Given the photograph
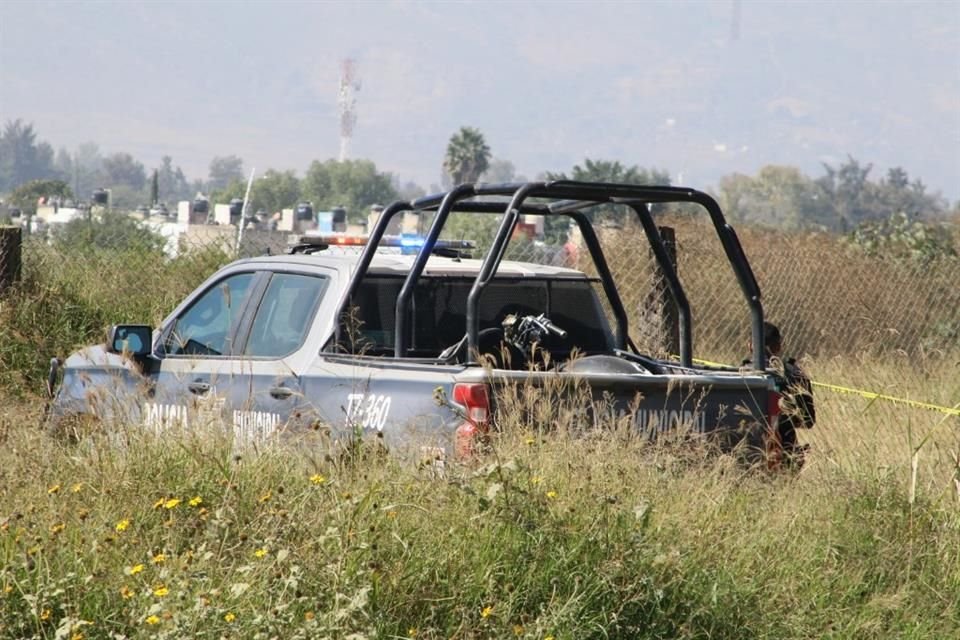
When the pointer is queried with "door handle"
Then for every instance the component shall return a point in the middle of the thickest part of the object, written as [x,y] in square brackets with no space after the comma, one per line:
[199,387]
[281,393]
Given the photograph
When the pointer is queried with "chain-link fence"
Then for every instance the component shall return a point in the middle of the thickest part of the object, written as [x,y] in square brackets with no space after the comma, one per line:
[827,296]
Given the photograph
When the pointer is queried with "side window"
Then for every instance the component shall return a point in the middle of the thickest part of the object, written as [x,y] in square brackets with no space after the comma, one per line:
[207,325]
[285,315]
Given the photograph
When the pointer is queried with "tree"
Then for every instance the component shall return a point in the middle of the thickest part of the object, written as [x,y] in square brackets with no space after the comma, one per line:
[122,170]
[22,158]
[223,171]
[352,184]
[235,189]
[555,227]
[844,198]
[27,195]
[63,165]
[172,183]
[126,197]
[275,190]
[849,193]
[87,170]
[110,230]
[467,157]
[777,196]
[613,171]
[900,237]
[154,188]
[897,194]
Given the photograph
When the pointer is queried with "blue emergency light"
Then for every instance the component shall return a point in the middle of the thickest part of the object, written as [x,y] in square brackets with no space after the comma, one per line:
[407,243]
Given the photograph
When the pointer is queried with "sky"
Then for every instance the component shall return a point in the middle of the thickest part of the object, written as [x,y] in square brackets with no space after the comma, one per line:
[699,89]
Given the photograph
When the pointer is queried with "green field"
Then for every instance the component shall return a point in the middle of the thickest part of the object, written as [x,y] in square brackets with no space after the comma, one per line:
[123,535]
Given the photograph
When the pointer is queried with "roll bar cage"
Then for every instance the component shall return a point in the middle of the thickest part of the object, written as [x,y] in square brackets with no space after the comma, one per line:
[563,198]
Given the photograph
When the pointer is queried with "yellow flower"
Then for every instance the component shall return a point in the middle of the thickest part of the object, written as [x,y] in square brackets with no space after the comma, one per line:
[195,501]
[487,612]
[229,617]
[159,558]
[548,638]
[530,440]
[159,503]
[76,487]
[412,632]
[266,496]
[160,591]
[551,494]
[391,514]
[171,503]
[125,592]
[309,615]
[260,552]
[45,614]
[52,490]
[152,619]
[317,479]
[536,480]
[122,525]
[135,569]
[77,636]
[518,629]
[8,588]
[57,528]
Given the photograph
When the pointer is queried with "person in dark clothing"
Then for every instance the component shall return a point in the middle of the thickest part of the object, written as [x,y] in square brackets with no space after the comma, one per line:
[797,410]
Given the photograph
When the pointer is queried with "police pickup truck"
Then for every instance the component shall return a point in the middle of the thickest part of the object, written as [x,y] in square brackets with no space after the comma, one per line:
[415,347]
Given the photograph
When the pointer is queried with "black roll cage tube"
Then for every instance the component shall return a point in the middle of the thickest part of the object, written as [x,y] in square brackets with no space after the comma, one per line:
[583,194]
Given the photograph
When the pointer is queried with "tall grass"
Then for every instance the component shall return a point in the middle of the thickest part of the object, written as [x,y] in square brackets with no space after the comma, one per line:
[125,534]
[138,536]
[68,299]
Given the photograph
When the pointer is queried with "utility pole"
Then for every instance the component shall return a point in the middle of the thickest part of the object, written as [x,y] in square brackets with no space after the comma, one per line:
[243,211]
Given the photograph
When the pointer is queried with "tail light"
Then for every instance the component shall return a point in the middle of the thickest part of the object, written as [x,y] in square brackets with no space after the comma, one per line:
[475,399]
[773,408]
[773,446]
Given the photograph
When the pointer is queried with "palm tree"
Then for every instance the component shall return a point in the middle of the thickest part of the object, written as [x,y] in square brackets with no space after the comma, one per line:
[467,157]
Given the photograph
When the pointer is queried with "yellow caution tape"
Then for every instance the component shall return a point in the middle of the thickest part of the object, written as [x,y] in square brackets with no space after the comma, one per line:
[871,395]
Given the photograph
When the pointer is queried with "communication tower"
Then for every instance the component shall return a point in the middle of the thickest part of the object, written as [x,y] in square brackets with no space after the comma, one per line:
[347,101]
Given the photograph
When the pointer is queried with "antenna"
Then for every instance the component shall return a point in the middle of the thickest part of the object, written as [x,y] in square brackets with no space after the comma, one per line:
[347,101]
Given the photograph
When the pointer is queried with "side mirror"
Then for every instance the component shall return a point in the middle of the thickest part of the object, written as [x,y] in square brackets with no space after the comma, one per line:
[132,339]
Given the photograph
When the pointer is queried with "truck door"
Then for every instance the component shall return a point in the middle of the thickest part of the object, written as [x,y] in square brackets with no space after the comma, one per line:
[195,380]
[275,345]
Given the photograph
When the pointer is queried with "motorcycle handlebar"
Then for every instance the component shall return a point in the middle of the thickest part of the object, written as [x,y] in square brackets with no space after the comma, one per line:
[547,325]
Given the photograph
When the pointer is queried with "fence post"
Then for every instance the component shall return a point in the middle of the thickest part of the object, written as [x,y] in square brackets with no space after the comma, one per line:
[659,321]
[10,241]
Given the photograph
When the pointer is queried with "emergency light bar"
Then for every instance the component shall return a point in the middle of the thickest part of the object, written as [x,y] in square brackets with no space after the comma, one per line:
[310,242]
